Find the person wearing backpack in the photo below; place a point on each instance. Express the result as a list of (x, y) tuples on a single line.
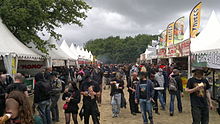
[(42, 97), (175, 89), (144, 94)]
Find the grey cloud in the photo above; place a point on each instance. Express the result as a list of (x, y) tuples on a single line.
[(131, 17)]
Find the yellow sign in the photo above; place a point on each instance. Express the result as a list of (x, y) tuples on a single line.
[(194, 20), (170, 32), (13, 65)]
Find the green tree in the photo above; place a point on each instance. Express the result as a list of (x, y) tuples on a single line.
[(26, 18), (119, 50)]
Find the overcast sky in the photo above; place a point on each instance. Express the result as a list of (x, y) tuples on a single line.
[(131, 17)]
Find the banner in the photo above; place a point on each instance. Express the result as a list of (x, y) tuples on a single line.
[(31, 67), (162, 39), (14, 63), (208, 59), (179, 30), (170, 31), (179, 50), (162, 53), (194, 20)]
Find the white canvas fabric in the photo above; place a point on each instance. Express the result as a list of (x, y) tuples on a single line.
[(10, 44)]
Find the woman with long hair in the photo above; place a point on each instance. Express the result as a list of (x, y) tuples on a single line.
[(72, 98), (18, 107)]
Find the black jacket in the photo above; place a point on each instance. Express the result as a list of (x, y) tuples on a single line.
[(40, 94)]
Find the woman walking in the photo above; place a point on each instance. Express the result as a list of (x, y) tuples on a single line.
[(72, 98)]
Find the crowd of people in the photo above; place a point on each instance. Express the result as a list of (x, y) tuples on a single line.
[(146, 84)]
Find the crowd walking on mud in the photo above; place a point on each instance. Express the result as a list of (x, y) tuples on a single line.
[(147, 85)]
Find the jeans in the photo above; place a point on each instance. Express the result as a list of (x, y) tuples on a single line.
[(200, 115), (161, 99), (164, 95), (54, 107), (146, 106), (179, 102), (44, 111), (116, 103)]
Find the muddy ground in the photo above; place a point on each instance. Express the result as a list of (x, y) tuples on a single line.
[(127, 118)]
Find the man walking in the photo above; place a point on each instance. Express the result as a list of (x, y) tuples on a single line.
[(200, 98), (160, 79), (144, 93), (132, 84), (177, 90)]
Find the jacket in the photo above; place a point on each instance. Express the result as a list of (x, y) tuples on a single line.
[(148, 86)]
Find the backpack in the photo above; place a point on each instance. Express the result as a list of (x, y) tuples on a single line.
[(172, 84)]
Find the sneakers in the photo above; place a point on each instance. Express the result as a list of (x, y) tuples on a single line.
[(171, 113), (157, 113), (133, 113), (138, 112), (115, 115), (151, 122)]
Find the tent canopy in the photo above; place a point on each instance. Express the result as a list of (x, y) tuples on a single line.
[(58, 53), (55, 53), (207, 39), (10, 44), (67, 50), (74, 50)]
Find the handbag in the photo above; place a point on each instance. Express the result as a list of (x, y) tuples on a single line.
[(65, 106)]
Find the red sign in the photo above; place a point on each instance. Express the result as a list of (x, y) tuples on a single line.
[(179, 50), (162, 53), (172, 51), (33, 66), (185, 48)]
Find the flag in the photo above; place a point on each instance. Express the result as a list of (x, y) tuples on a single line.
[(170, 32), (162, 39), (179, 30), (194, 20)]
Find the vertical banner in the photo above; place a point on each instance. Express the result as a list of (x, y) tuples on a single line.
[(162, 39), (194, 20), (179, 30), (14, 64), (170, 32)]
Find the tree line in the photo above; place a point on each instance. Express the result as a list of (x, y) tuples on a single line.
[(114, 50)]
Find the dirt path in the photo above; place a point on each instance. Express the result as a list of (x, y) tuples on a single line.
[(127, 118)]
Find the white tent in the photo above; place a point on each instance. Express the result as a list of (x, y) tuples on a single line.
[(13, 50), (90, 56), (67, 50), (57, 52), (74, 50), (207, 39), (10, 44)]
